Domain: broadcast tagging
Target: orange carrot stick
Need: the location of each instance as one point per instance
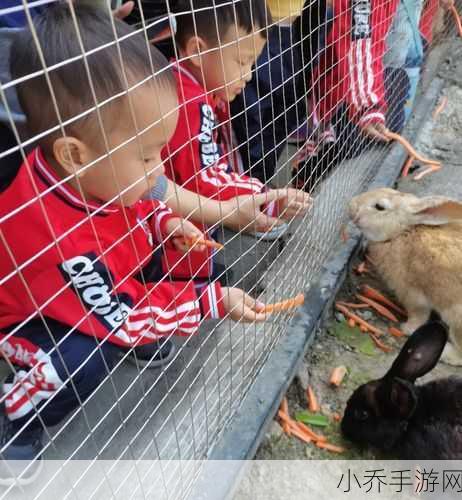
(457, 20)
(330, 447)
(440, 107)
(285, 304)
(395, 332)
(300, 435)
(407, 166)
(379, 308)
(284, 406)
(313, 404)
(373, 294)
(351, 323)
(286, 422)
(358, 319)
(379, 344)
(363, 329)
(208, 243)
(429, 170)
(407, 146)
(337, 375)
(336, 417)
(309, 432)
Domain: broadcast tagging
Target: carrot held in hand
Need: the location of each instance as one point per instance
(208, 243)
(412, 152)
(285, 304)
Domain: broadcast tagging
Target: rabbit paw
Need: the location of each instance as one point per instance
(451, 356)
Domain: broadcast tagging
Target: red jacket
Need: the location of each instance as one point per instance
(202, 156)
(350, 68)
(104, 274)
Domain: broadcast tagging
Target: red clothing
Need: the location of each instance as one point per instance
(201, 156)
(105, 275)
(350, 68)
(430, 10)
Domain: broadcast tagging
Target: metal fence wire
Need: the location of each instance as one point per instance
(122, 336)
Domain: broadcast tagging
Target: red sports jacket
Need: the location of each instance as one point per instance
(98, 268)
(350, 68)
(201, 156)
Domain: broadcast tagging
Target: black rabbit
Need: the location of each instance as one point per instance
(410, 421)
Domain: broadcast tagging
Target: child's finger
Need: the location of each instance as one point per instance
(250, 316)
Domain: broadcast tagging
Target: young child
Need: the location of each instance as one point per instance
(218, 45)
(81, 267)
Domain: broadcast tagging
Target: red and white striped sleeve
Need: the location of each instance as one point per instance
(363, 49)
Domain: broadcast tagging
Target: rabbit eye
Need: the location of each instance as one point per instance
(361, 415)
(379, 207)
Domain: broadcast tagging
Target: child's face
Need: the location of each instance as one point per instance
(227, 70)
(139, 159)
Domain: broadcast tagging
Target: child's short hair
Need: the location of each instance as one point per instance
(211, 19)
(59, 42)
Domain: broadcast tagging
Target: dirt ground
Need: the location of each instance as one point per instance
(336, 343)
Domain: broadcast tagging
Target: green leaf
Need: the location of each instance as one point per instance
(312, 419)
(367, 347)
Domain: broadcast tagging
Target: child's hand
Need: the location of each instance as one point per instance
(376, 131)
(182, 234)
(296, 203)
(242, 307)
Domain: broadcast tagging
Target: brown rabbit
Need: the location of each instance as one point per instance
(416, 246)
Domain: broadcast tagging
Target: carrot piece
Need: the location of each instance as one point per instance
(380, 344)
(429, 170)
(373, 294)
(395, 332)
(363, 329)
(407, 146)
(310, 433)
(337, 375)
(285, 418)
(351, 323)
(353, 306)
(358, 319)
(440, 107)
(329, 447)
(407, 166)
(208, 243)
(285, 304)
(457, 19)
(313, 404)
(284, 406)
(300, 435)
(379, 308)
(336, 417)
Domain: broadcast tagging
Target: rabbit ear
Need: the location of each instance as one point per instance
(436, 210)
(398, 397)
(420, 353)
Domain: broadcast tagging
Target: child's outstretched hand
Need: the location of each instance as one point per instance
(242, 307)
(296, 203)
(376, 131)
(183, 233)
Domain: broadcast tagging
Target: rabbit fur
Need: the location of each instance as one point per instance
(415, 244)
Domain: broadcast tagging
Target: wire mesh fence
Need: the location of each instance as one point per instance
(167, 169)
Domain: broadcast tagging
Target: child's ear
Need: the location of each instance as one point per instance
(193, 49)
(71, 154)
